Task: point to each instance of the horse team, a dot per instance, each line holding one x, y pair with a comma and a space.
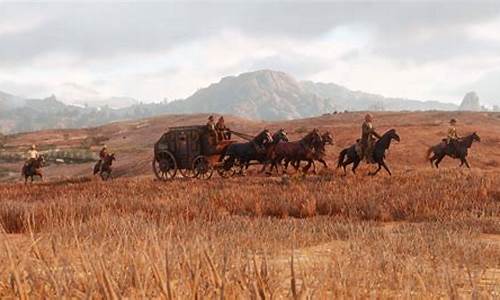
276, 151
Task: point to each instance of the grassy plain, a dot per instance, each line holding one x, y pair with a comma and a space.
422, 233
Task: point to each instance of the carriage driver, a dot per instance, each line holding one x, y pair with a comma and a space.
223, 132
212, 132
368, 135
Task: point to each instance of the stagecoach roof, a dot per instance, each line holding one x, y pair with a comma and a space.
187, 128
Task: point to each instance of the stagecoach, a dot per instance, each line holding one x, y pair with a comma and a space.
192, 151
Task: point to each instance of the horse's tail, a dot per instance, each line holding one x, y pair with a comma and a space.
341, 157
428, 153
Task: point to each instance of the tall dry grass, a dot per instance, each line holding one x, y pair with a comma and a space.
418, 234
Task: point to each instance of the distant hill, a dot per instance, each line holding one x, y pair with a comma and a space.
265, 95
470, 102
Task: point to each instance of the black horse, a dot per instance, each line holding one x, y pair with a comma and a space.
378, 153
458, 150
242, 154
280, 136
33, 168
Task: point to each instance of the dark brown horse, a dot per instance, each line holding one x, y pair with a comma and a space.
318, 153
241, 154
104, 169
33, 168
457, 150
296, 151
350, 155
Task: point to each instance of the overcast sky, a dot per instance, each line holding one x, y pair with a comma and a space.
420, 50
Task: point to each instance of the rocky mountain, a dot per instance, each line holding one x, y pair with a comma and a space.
345, 99
272, 95
470, 102
264, 94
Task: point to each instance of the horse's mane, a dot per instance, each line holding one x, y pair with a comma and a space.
260, 135
385, 138
389, 132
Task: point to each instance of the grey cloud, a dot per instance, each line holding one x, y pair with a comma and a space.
100, 30
486, 88
298, 65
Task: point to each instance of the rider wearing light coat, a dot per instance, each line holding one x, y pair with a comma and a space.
32, 155
368, 135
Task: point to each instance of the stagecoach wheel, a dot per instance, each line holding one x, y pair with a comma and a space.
188, 173
202, 167
227, 167
164, 166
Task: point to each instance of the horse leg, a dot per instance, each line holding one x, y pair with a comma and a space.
323, 162
376, 171
464, 161
307, 167
432, 159
355, 166
438, 161
263, 167
386, 168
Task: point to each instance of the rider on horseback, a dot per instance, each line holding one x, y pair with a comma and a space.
452, 137
32, 155
102, 155
367, 140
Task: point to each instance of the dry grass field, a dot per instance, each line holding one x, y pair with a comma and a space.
422, 233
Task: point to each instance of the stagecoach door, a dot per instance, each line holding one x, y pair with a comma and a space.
187, 148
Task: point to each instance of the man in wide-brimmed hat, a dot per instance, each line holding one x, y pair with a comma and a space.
452, 137
368, 135
452, 131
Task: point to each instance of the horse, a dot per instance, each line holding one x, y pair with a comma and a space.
244, 153
280, 136
318, 154
33, 168
457, 151
296, 151
104, 169
379, 150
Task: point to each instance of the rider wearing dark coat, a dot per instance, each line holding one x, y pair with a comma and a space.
212, 131
223, 132
102, 155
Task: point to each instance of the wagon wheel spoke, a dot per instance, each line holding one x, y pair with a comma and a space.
164, 166
188, 173
227, 168
202, 167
